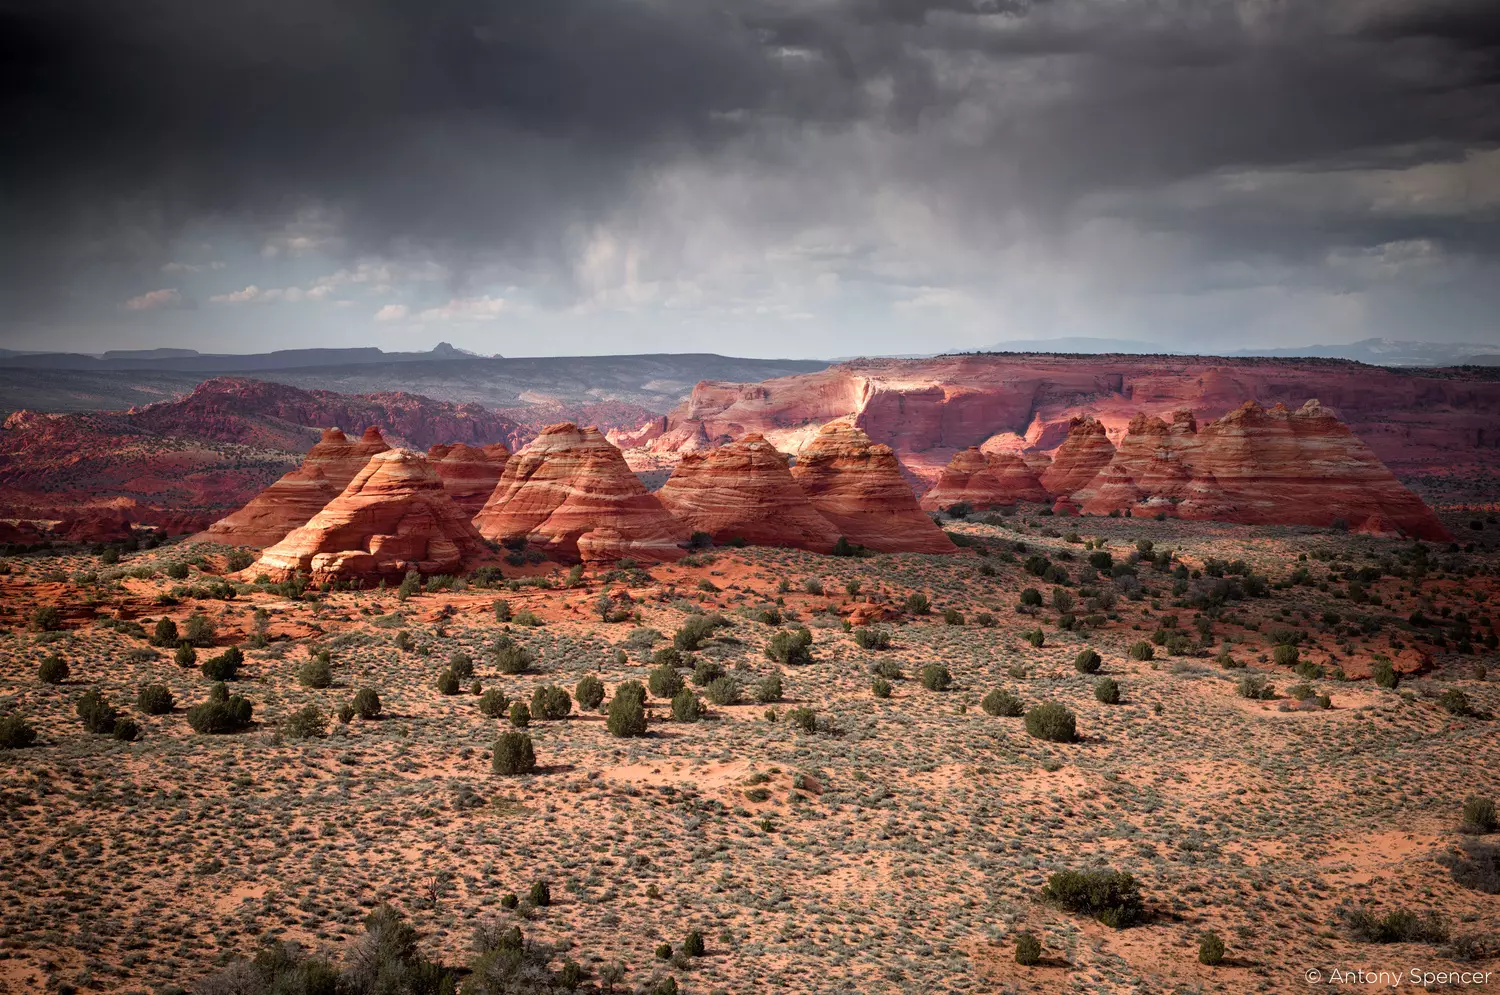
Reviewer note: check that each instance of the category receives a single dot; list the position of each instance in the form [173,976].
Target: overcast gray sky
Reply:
[758,177]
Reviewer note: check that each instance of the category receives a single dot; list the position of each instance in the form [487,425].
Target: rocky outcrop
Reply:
[982,481]
[857,485]
[394,517]
[745,491]
[94,525]
[469,473]
[299,495]
[571,495]
[1258,466]
[1084,452]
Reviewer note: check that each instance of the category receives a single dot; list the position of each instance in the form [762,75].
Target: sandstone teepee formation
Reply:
[983,481]
[1085,452]
[469,473]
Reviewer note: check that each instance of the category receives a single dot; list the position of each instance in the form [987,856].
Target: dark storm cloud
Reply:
[487,126]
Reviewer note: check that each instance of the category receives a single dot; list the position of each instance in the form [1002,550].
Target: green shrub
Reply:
[1053,722]
[126,729]
[692,945]
[1210,949]
[589,693]
[935,677]
[1036,637]
[872,639]
[768,689]
[53,670]
[705,672]
[889,669]
[198,630]
[1112,897]
[185,655]
[1107,691]
[1028,949]
[664,682]
[221,713]
[917,603]
[685,706]
[97,714]
[511,657]
[177,571]
[316,673]
[1455,702]
[1384,674]
[1396,926]
[952,616]
[695,631]
[1256,688]
[723,691]
[502,611]
[494,704]
[16,733]
[1285,655]
[790,647]
[155,699]
[307,722]
[514,754]
[881,687]
[1031,598]
[1001,702]
[627,710]
[366,703]
[447,682]
[551,702]
[225,666]
[520,714]
[803,718]
[165,633]
[1087,662]
[462,665]
[1142,650]
[540,894]
[1479,815]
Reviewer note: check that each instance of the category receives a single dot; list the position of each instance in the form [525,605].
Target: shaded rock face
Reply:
[569,483]
[294,499]
[983,481]
[857,485]
[395,516]
[1258,466]
[1086,451]
[469,473]
[95,525]
[745,491]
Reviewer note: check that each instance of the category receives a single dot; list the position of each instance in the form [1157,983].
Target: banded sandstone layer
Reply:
[984,480]
[395,516]
[745,491]
[571,495]
[469,473]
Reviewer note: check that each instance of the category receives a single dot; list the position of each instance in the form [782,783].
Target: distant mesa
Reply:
[393,517]
[745,491]
[984,480]
[469,473]
[857,485]
[294,499]
[571,495]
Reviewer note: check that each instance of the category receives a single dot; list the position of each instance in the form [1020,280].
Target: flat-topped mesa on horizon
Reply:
[744,490]
[395,516]
[1258,466]
[332,462]
[570,482]
[984,480]
[857,485]
[469,473]
[1084,452]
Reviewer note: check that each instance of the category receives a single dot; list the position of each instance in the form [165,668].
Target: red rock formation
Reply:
[984,481]
[571,495]
[858,487]
[745,491]
[1258,467]
[395,516]
[1085,452]
[468,472]
[294,499]
[95,525]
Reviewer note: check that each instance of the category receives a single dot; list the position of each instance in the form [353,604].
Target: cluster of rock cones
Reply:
[357,509]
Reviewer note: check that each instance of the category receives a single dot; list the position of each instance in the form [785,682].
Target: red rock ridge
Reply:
[857,485]
[1085,452]
[469,473]
[394,517]
[571,495]
[984,481]
[745,491]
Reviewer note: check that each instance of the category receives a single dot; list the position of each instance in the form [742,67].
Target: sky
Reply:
[790,178]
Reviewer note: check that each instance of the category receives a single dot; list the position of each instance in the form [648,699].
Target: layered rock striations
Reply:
[297,496]
[745,491]
[857,485]
[1084,452]
[982,481]
[395,516]
[469,473]
[571,495]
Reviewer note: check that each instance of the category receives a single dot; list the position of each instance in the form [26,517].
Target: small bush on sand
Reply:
[97,714]
[155,699]
[589,693]
[1210,949]
[627,710]
[367,703]
[514,754]
[1028,949]
[1002,703]
[1087,662]
[935,677]
[1112,897]
[1052,722]
[790,647]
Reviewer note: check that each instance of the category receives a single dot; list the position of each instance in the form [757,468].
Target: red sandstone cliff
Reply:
[984,481]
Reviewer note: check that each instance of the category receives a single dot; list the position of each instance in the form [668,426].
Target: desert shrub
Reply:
[345,714]
[664,681]
[177,571]
[198,630]
[551,702]
[696,630]
[155,699]
[889,669]
[1102,561]
[185,655]
[447,682]
[935,677]
[1396,926]
[165,633]
[1112,897]
[494,704]
[692,944]
[1107,691]
[880,687]
[669,656]
[705,672]
[790,647]
[511,657]
[918,603]
[1476,865]
[316,673]
[1087,662]
[16,733]
[627,710]
[502,611]
[664,951]
[685,706]
[1053,722]
[46,618]
[462,665]
[540,894]
[768,689]
[872,639]
[1036,637]
[1384,674]
[225,666]
[514,754]
[1479,815]
[1001,702]
[53,670]
[1455,702]
[366,703]
[1210,949]
[1031,598]
[589,693]
[520,714]
[126,729]
[1142,650]
[1028,949]
[813,585]
[221,713]
[803,718]
[97,714]
[307,722]
[1285,655]
[723,691]
[1256,688]
[952,616]
[404,642]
